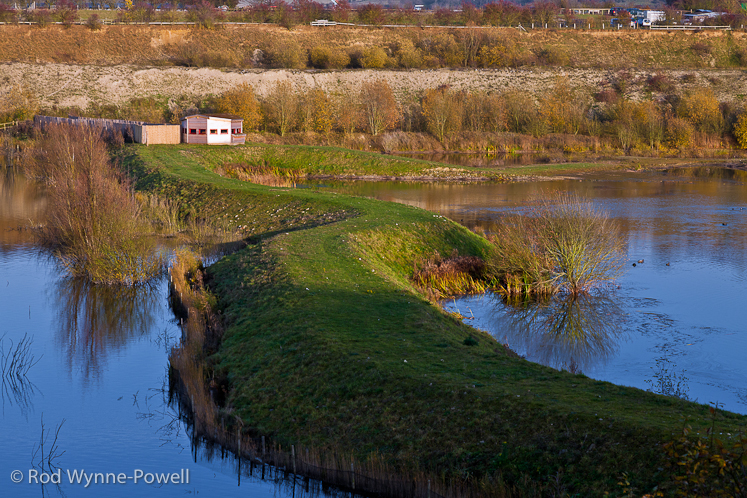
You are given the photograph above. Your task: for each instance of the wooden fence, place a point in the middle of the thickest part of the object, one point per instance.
(322, 22)
(136, 131)
(11, 124)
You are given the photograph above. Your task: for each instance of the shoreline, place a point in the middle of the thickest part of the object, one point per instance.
(315, 338)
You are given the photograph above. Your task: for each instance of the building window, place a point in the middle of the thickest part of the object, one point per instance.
(213, 132)
(224, 132)
(202, 131)
(193, 131)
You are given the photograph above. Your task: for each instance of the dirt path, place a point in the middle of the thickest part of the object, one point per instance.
(81, 85)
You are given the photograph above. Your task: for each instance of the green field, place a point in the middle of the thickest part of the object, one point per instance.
(328, 345)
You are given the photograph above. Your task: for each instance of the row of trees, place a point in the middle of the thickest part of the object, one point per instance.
(501, 13)
(671, 120)
(427, 50)
(675, 121)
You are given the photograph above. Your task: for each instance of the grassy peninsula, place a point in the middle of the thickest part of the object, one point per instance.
(328, 345)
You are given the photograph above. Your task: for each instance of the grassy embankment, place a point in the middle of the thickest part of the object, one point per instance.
(327, 345)
(282, 164)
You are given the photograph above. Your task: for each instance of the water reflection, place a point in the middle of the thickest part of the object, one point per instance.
(564, 332)
(491, 160)
(22, 204)
(16, 359)
(95, 321)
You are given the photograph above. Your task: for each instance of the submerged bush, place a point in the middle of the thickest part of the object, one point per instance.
(564, 245)
(93, 223)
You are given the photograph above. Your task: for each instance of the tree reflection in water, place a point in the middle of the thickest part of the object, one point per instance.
(97, 320)
(566, 332)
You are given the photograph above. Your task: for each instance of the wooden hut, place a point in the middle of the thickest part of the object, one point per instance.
(224, 129)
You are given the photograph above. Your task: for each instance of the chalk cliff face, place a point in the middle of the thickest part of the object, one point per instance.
(78, 67)
(81, 85)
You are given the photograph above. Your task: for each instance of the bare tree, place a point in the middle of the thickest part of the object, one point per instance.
(281, 107)
(443, 110)
(380, 110)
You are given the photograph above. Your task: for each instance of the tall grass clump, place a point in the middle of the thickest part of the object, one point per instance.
(563, 245)
(93, 222)
(443, 277)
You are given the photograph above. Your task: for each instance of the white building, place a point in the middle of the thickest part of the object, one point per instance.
(213, 129)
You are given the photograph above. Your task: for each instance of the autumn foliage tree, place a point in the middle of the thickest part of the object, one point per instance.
(241, 102)
(563, 108)
(740, 130)
(701, 108)
(379, 109)
(17, 104)
(322, 114)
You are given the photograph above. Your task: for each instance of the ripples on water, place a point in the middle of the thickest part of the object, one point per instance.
(103, 351)
(685, 303)
(102, 368)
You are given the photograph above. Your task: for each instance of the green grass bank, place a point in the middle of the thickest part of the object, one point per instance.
(328, 345)
(282, 164)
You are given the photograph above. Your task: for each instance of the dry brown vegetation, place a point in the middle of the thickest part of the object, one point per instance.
(274, 46)
(93, 223)
(443, 277)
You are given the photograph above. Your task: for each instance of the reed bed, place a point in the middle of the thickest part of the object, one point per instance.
(443, 277)
(261, 174)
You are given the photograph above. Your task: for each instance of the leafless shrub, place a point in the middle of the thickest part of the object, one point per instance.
(93, 223)
(563, 245)
(701, 48)
(659, 83)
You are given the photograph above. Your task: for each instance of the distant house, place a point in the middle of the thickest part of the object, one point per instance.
(213, 129)
(594, 11)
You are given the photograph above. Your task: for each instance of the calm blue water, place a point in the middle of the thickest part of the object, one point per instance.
(101, 374)
(102, 353)
(683, 323)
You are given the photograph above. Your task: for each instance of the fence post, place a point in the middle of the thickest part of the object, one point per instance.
(429, 489)
(263, 447)
(293, 456)
(352, 474)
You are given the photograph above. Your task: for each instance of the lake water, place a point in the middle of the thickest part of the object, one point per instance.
(100, 377)
(102, 352)
(676, 323)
